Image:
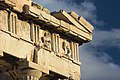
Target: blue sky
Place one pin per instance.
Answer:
(100, 58)
(109, 10)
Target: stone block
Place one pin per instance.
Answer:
(85, 23)
(74, 15)
(3, 20)
(23, 29)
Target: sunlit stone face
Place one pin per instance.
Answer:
(36, 44)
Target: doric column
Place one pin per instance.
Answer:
(30, 74)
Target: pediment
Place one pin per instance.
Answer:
(73, 18)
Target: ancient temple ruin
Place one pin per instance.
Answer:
(36, 44)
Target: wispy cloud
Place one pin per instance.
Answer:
(96, 65)
(106, 38)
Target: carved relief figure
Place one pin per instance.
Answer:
(46, 40)
(66, 49)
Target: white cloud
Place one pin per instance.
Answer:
(106, 38)
(97, 68)
(96, 65)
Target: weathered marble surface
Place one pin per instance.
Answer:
(38, 45)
